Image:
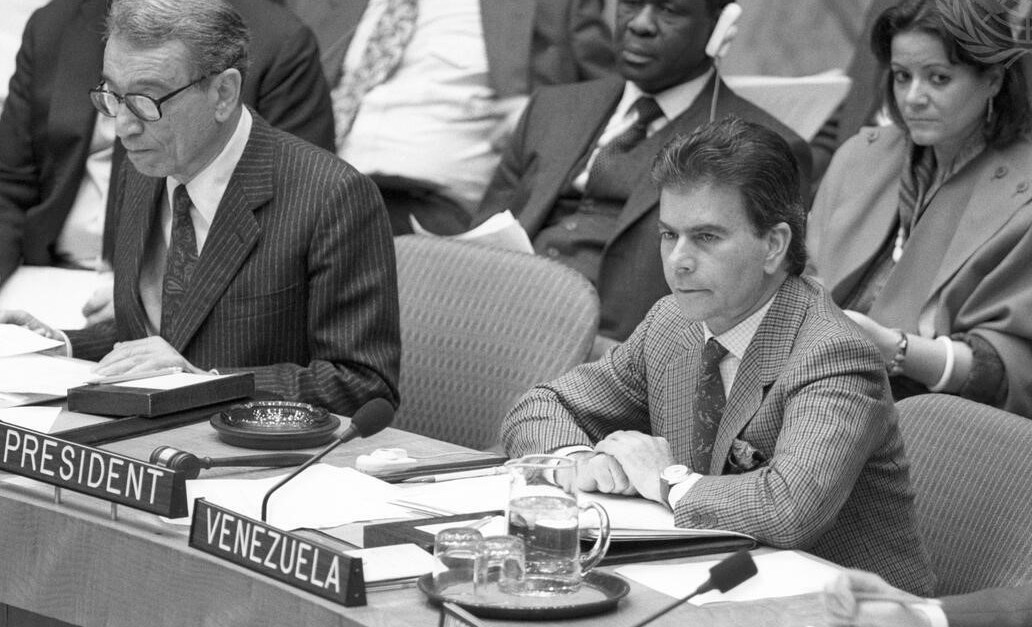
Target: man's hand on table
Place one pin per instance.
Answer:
(147, 354)
(641, 457)
(601, 473)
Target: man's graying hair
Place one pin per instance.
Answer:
(750, 158)
(212, 31)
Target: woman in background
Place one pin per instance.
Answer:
(922, 231)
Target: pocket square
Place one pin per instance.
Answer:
(744, 457)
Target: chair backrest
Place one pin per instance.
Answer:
(971, 466)
(479, 327)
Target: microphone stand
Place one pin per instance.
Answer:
(296, 472)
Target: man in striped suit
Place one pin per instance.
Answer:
(745, 400)
(238, 246)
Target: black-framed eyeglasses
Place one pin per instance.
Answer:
(141, 105)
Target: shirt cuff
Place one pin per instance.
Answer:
(566, 451)
(678, 491)
(932, 610)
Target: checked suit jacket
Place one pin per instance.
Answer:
(810, 395)
(559, 127)
(295, 283)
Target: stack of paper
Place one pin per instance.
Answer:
(321, 497)
(26, 376)
(630, 518)
(779, 574)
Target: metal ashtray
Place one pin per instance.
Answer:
(275, 425)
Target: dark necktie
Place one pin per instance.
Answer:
(380, 58)
(709, 406)
(607, 161)
(180, 262)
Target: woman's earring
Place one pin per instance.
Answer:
(989, 111)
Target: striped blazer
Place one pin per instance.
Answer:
(295, 283)
(810, 395)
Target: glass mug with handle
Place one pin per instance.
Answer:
(543, 510)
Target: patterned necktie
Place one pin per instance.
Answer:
(381, 57)
(607, 161)
(709, 406)
(180, 262)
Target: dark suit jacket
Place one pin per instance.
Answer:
(559, 126)
(296, 281)
(47, 121)
(810, 394)
(529, 43)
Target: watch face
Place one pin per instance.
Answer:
(675, 473)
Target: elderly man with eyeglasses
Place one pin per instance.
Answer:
(238, 247)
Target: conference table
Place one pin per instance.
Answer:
(74, 562)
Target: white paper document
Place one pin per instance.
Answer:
(43, 374)
(40, 419)
(394, 562)
(779, 574)
(169, 381)
(630, 517)
(802, 103)
(54, 295)
(321, 497)
(17, 340)
(501, 230)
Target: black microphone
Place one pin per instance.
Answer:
(190, 464)
(725, 575)
(371, 418)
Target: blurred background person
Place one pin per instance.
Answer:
(426, 92)
(928, 249)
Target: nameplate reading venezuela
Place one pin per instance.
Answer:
(282, 555)
(112, 477)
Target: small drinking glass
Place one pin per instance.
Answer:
(502, 563)
(458, 551)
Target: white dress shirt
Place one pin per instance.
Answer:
(432, 119)
(206, 191)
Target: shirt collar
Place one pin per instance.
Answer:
(673, 101)
(206, 189)
(737, 338)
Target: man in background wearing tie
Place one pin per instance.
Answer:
(576, 171)
(745, 400)
(239, 247)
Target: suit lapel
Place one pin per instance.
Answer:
(140, 206)
(234, 233)
(572, 139)
(763, 361)
(876, 215)
(508, 30)
(1001, 188)
(680, 383)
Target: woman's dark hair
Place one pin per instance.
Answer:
(1012, 112)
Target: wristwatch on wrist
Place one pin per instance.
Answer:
(671, 476)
